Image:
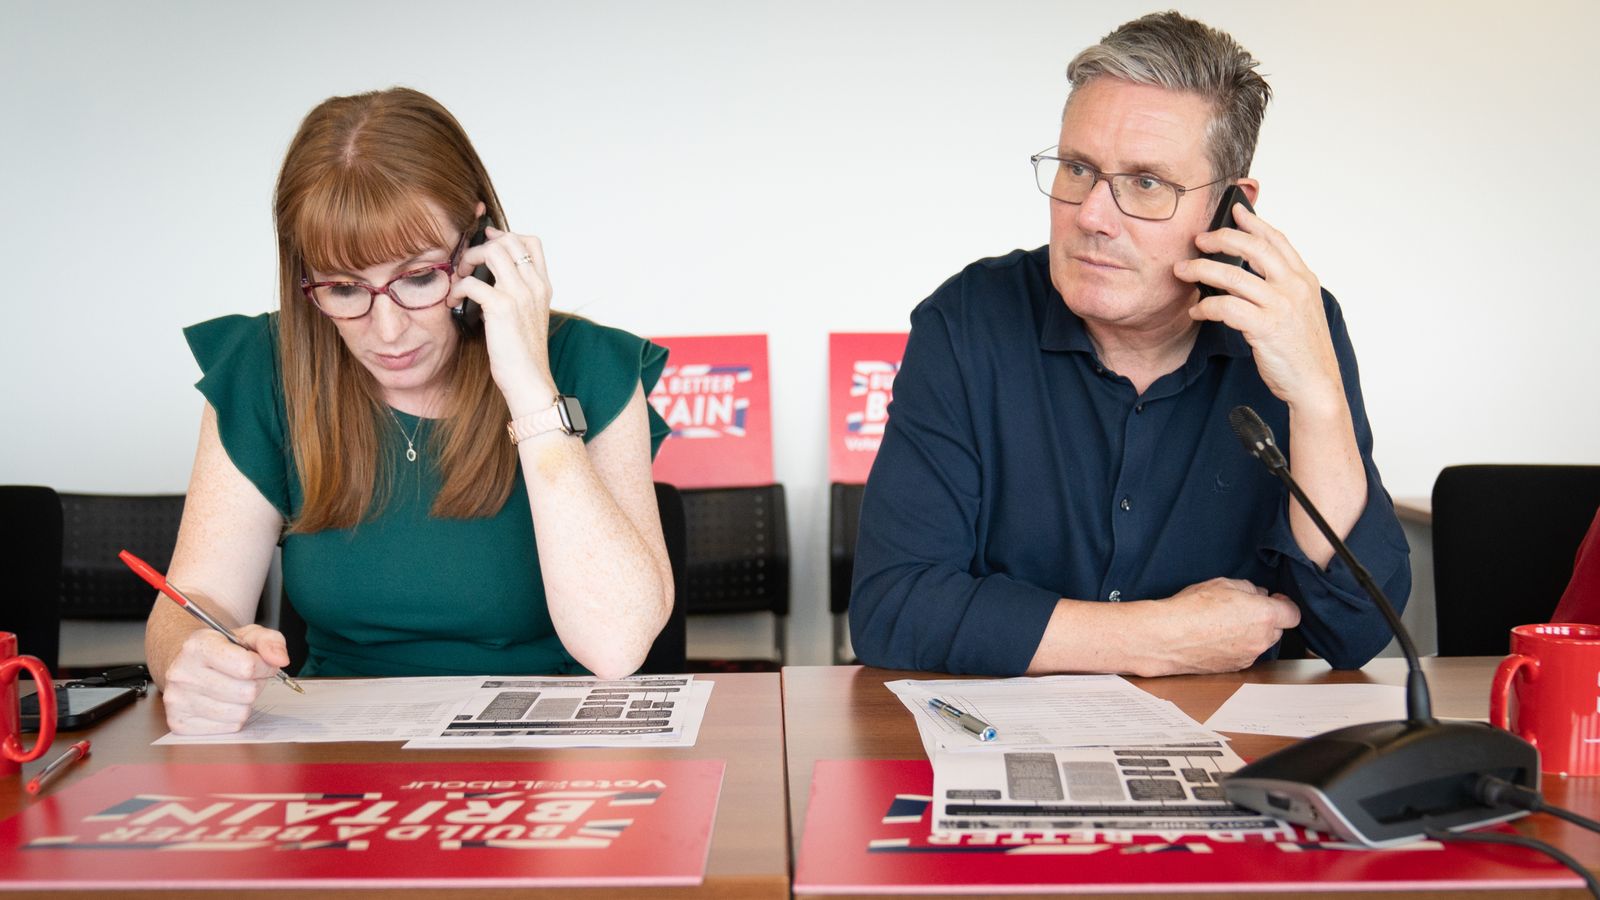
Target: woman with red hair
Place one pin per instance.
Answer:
(364, 427)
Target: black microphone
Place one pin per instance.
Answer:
(1379, 783)
(1257, 438)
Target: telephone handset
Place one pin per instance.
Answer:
(469, 315)
(1223, 218)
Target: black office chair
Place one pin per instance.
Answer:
(844, 520)
(102, 601)
(94, 527)
(738, 554)
(1504, 539)
(30, 548)
(667, 654)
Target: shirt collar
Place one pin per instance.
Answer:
(1062, 330)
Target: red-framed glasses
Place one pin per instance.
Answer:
(415, 289)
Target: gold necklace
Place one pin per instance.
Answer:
(411, 447)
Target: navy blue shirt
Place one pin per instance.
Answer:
(1017, 470)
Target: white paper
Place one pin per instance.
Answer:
(1123, 789)
(338, 709)
(413, 709)
(1053, 711)
(1301, 710)
(648, 711)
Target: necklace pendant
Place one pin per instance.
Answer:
(411, 454)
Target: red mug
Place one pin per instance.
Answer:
(1553, 673)
(11, 753)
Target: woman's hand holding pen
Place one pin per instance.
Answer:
(516, 316)
(212, 684)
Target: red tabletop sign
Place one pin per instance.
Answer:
(714, 395)
(861, 370)
(467, 824)
(867, 830)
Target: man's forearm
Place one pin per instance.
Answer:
(1326, 462)
(1085, 636)
(1219, 625)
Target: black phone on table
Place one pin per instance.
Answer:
(469, 315)
(78, 707)
(1223, 218)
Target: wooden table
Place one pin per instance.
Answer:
(845, 712)
(743, 726)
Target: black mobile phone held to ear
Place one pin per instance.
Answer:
(469, 316)
(1223, 218)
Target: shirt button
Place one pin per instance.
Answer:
(1139, 408)
(1114, 596)
(1126, 504)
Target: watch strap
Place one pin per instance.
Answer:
(555, 417)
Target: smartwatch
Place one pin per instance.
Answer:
(564, 415)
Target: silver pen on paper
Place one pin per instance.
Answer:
(980, 729)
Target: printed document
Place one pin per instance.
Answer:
(1129, 789)
(1053, 711)
(1301, 710)
(342, 709)
(527, 712)
(649, 711)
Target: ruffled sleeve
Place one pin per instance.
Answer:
(602, 367)
(239, 377)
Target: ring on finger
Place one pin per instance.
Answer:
(524, 259)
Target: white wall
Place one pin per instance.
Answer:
(791, 168)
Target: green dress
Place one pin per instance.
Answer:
(405, 593)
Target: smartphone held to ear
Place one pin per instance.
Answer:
(1223, 218)
(469, 315)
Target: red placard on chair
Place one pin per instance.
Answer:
(714, 395)
(861, 370)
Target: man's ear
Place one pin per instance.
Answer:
(1251, 188)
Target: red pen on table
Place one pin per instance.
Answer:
(159, 582)
(73, 754)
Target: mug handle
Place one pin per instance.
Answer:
(12, 747)
(1503, 675)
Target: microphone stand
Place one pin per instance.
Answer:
(1380, 783)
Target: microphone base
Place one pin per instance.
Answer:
(1387, 783)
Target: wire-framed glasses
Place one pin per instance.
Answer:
(1137, 194)
(417, 288)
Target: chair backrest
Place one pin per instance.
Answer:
(94, 583)
(738, 550)
(667, 655)
(1504, 538)
(30, 550)
(844, 519)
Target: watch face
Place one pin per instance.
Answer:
(572, 420)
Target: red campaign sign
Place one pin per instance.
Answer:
(868, 831)
(471, 824)
(714, 395)
(861, 371)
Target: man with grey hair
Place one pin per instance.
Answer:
(1058, 488)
